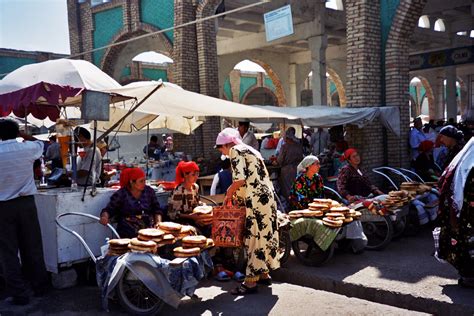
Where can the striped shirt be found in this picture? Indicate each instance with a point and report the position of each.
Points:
(16, 168)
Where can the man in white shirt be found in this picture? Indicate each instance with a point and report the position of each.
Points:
(19, 226)
(247, 136)
(84, 163)
(416, 137)
(319, 141)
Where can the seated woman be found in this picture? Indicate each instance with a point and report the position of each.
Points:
(134, 205)
(185, 196)
(351, 182)
(424, 163)
(308, 184)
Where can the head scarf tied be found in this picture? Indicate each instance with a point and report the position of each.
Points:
(306, 162)
(184, 167)
(130, 174)
(452, 132)
(347, 154)
(230, 135)
(425, 146)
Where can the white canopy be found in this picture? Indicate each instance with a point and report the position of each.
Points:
(171, 100)
(62, 72)
(326, 116)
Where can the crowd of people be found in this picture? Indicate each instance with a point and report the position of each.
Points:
(245, 181)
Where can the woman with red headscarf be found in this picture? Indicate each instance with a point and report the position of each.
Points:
(424, 163)
(351, 182)
(185, 196)
(134, 205)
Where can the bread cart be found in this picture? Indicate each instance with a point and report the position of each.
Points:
(142, 282)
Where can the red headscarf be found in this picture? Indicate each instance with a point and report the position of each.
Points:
(130, 174)
(425, 146)
(347, 154)
(184, 167)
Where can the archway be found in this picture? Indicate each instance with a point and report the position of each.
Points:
(245, 80)
(147, 66)
(422, 97)
(335, 90)
(259, 96)
(117, 58)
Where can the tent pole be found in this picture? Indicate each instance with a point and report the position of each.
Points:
(147, 142)
(107, 132)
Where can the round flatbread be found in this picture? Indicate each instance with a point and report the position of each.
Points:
(195, 239)
(170, 226)
(143, 244)
(119, 243)
(181, 252)
(203, 209)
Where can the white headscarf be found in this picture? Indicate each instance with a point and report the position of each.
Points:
(231, 135)
(306, 162)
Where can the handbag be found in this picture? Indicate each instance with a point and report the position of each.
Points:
(228, 223)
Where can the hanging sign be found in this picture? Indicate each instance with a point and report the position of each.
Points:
(278, 23)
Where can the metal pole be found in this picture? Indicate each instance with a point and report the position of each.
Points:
(128, 114)
(147, 142)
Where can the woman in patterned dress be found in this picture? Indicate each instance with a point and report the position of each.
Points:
(308, 184)
(253, 189)
(456, 214)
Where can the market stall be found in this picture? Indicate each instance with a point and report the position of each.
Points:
(45, 89)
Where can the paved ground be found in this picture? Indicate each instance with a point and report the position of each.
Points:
(405, 274)
(279, 299)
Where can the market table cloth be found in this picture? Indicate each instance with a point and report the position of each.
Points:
(323, 235)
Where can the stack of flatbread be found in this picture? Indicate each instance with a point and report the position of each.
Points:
(414, 188)
(204, 212)
(397, 199)
(170, 228)
(118, 247)
(340, 215)
(305, 213)
(186, 230)
(142, 246)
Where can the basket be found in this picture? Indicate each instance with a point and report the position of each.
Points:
(228, 224)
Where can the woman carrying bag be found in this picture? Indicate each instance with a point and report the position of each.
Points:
(252, 188)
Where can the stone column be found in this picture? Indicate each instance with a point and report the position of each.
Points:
(364, 76)
(293, 100)
(451, 102)
(186, 69)
(438, 91)
(317, 46)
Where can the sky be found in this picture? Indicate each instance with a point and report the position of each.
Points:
(34, 25)
(41, 25)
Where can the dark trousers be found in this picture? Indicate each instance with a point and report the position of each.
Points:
(20, 230)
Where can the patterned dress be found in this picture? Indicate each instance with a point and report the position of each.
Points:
(305, 189)
(182, 201)
(133, 214)
(261, 228)
(456, 240)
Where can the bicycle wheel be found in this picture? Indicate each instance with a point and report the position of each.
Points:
(135, 297)
(399, 227)
(309, 253)
(379, 233)
(285, 245)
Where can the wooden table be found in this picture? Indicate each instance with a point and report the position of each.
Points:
(205, 182)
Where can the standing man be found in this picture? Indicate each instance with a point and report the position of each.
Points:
(155, 147)
(53, 153)
(84, 163)
(319, 141)
(19, 226)
(416, 137)
(248, 137)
